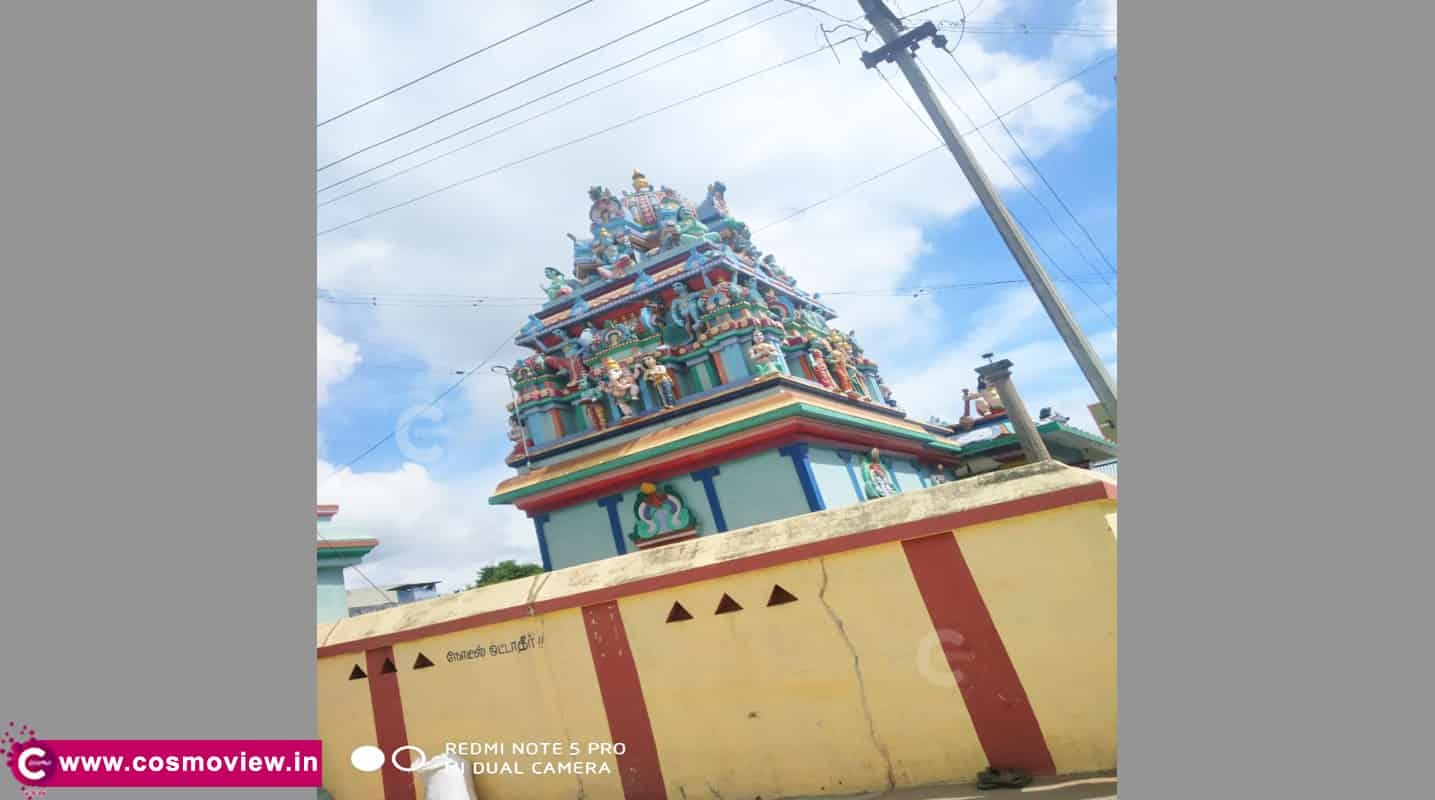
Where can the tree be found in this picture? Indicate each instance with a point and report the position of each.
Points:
(504, 571)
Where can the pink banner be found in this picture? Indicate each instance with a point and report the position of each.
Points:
(165, 763)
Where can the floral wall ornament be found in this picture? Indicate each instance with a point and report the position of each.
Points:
(876, 481)
(660, 514)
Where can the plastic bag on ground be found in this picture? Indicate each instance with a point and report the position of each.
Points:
(446, 778)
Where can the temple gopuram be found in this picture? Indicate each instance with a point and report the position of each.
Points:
(684, 384)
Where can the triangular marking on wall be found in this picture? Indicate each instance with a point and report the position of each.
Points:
(357, 674)
(422, 661)
(727, 605)
(780, 596)
(388, 667)
(678, 613)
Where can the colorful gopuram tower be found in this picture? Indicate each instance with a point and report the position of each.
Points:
(683, 384)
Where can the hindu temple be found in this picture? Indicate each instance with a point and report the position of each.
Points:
(683, 384)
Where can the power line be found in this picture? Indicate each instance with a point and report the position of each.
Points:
(445, 393)
(1032, 163)
(1020, 182)
(924, 154)
(907, 105)
(569, 143)
(585, 79)
(534, 76)
(453, 63)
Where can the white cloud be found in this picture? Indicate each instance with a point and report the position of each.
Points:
(428, 529)
(336, 360)
(779, 142)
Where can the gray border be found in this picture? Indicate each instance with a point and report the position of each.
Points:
(1262, 613)
(157, 337)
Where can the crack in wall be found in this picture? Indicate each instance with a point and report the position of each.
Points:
(856, 668)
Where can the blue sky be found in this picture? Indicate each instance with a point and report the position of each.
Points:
(780, 141)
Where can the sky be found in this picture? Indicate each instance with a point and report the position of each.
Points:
(396, 318)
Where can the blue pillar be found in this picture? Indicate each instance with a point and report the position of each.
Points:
(705, 477)
(852, 474)
(611, 503)
(733, 362)
(922, 474)
(538, 522)
(798, 453)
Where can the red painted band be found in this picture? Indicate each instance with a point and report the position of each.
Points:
(622, 692)
(1004, 720)
(389, 722)
(1098, 490)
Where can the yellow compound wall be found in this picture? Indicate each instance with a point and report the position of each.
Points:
(932, 634)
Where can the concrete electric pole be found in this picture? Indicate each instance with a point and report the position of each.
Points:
(898, 47)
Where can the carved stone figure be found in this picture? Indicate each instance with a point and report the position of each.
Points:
(661, 382)
(557, 285)
(766, 357)
(640, 182)
(876, 481)
(621, 386)
(819, 368)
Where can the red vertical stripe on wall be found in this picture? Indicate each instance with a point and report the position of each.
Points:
(389, 723)
(1005, 722)
(623, 700)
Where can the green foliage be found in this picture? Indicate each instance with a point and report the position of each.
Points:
(504, 571)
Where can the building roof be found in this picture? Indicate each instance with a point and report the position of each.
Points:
(369, 597)
(669, 440)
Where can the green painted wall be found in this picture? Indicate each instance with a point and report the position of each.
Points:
(757, 489)
(578, 534)
(907, 475)
(333, 599)
(832, 478)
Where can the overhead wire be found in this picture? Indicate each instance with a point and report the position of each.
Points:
(1032, 162)
(1030, 235)
(453, 63)
(562, 105)
(569, 143)
(938, 148)
(534, 76)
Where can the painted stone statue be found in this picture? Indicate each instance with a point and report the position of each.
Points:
(819, 368)
(660, 514)
(557, 285)
(659, 380)
(876, 481)
(620, 385)
(766, 357)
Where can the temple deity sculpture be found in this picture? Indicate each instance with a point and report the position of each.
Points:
(886, 393)
(640, 182)
(557, 285)
(686, 309)
(819, 368)
(876, 481)
(620, 385)
(838, 365)
(766, 357)
(661, 382)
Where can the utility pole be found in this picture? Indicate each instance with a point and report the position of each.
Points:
(898, 46)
